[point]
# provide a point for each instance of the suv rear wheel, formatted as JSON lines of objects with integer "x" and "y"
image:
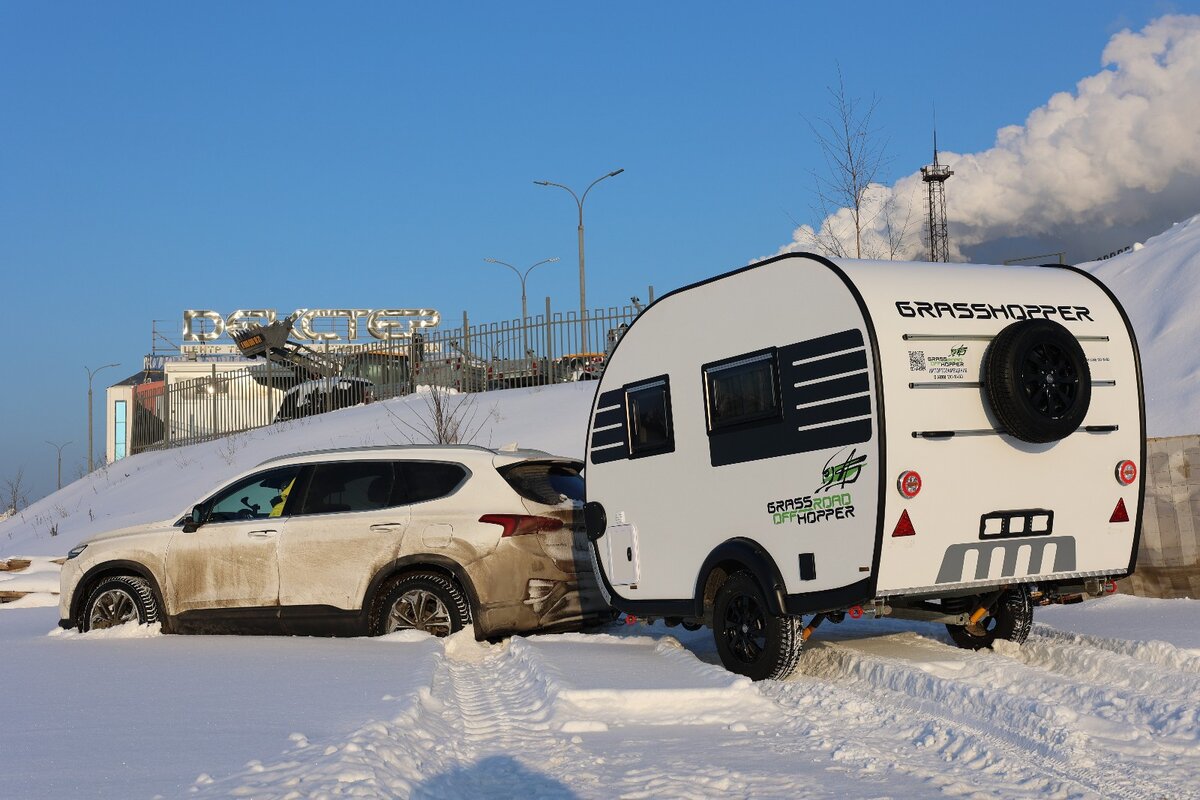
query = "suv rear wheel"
{"x": 117, "y": 600}
{"x": 422, "y": 601}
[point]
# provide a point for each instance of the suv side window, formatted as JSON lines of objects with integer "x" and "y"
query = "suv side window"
{"x": 256, "y": 497}
{"x": 419, "y": 481}
{"x": 339, "y": 486}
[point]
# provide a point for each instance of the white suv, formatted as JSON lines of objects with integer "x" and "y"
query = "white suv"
{"x": 363, "y": 541}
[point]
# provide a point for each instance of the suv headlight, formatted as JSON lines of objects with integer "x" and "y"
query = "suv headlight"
{"x": 75, "y": 551}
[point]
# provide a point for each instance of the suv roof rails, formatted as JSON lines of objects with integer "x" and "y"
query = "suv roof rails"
{"x": 380, "y": 447}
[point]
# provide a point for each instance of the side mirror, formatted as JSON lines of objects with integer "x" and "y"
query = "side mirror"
{"x": 197, "y": 519}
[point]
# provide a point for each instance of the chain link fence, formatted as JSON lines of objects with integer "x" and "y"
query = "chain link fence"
{"x": 207, "y": 400}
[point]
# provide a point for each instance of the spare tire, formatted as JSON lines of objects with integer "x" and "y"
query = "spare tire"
{"x": 1037, "y": 380}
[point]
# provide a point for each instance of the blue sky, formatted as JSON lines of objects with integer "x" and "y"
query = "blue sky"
{"x": 158, "y": 157}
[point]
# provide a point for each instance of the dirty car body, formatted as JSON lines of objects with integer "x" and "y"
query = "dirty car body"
{"x": 313, "y": 543}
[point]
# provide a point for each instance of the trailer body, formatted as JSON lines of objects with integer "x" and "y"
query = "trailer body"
{"x": 827, "y": 427}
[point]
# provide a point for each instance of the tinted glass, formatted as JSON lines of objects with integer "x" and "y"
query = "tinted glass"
{"x": 548, "y": 484}
{"x": 742, "y": 391}
{"x": 418, "y": 481}
{"x": 649, "y": 418}
{"x": 257, "y": 497}
{"x": 349, "y": 486}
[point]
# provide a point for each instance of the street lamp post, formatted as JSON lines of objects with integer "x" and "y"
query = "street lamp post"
{"x": 58, "y": 447}
{"x": 524, "y": 305}
{"x": 582, "y": 284}
{"x": 91, "y": 373}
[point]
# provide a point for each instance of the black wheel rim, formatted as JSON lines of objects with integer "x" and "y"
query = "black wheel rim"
{"x": 1049, "y": 380}
{"x": 745, "y": 628}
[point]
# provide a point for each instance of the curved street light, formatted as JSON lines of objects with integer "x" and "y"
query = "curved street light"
{"x": 91, "y": 373}
{"x": 582, "y": 284}
{"x": 59, "y": 447}
{"x": 524, "y": 306}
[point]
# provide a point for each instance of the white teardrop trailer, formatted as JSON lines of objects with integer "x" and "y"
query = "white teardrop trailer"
{"x": 804, "y": 438}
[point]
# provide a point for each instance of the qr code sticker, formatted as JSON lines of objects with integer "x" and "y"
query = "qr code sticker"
{"x": 916, "y": 360}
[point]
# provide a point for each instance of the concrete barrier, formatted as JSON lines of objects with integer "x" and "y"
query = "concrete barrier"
{"x": 1168, "y": 562}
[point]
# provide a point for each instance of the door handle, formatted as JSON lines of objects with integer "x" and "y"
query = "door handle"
{"x": 267, "y": 534}
{"x": 385, "y": 527}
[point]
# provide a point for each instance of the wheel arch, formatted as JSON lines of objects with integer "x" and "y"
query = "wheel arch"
{"x": 740, "y": 555}
{"x": 426, "y": 562}
{"x": 107, "y": 569}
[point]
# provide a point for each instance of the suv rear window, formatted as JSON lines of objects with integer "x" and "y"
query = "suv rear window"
{"x": 419, "y": 481}
{"x": 548, "y": 483}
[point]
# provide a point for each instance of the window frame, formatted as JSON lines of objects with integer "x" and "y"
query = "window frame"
{"x": 210, "y": 501}
{"x": 771, "y": 416}
{"x": 466, "y": 476}
{"x": 310, "y": 470}
{"x": 667, "y": 446}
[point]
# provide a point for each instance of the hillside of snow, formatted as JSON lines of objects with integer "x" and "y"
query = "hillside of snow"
{"x": 162, "y": 485}
{"x": 1159, "y": 286}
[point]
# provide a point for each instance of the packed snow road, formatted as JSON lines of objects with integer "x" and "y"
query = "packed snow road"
{"x": 878, "y": 709}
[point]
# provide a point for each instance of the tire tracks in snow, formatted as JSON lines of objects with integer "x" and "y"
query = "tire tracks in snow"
{"x": 1003, "y": 717}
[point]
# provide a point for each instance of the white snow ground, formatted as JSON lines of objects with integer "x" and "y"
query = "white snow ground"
{"x": 1084, "y": 709}
{"x": 1103, "y": 701}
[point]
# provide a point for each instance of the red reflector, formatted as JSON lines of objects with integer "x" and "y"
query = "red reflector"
{"x": 904, "y": 527}
{"x": 521, "y": 524}
{"x": 1119, "y": 513}
{"x": 909, "y": 484}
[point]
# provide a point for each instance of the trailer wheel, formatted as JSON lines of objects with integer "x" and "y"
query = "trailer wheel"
{"x": 750, "y": 639}
{"x": 1011, "y": 618}
{"x": 1037, "y": 380}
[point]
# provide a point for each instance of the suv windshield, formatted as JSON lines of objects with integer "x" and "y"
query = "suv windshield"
{"x": 548, "y": 483}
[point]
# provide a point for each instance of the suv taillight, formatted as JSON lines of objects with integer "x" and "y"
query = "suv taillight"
{"x": 521, "y": 524}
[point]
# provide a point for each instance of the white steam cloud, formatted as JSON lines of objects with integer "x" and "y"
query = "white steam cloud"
{"x": 1089, "y": 159}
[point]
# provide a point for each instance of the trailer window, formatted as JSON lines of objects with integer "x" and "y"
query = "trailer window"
{"x": 742, "y": 390}
{"x": 650, "y": 429}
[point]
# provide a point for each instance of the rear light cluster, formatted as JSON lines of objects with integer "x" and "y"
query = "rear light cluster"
{"x": 521, "y": 524}
{"x": 1126, "y": 473}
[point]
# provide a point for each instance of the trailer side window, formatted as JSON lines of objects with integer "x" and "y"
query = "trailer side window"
{"x": 650, "y": 430}
{"x": 741, "y": 390}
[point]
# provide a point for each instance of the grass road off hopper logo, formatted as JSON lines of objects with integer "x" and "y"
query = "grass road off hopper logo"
{"x": 823, "y": 504}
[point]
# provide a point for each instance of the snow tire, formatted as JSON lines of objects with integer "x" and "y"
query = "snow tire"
{"x": 427, "y": 601}
{"x": 1011, "y": 618}
{"x": 1037, "y": 381}
{"x": 752, "y": 641}
{"x": 119, "y": 599}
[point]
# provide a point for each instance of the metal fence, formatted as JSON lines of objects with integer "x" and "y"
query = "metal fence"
{"x": 228, "y": 397}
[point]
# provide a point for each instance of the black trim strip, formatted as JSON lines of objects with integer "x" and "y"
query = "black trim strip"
{"x": 826, "y": 345}
{"x": 855, "y": 361}
{"x": 828, "y": 390}
{"x": 837, "y": 410}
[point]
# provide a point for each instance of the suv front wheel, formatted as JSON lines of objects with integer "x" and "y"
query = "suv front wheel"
{"x": 422, "y": 601}
{"x": 117, "y": 600}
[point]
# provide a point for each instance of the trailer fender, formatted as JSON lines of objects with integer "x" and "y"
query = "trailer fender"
{"x": 740, "y": 555}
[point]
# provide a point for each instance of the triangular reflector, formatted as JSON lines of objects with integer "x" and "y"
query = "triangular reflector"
{"x": 1119, "y": 513}
{"x": 904, "y": 527}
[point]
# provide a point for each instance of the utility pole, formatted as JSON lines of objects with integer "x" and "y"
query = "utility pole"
{"x": 91, "y": 373}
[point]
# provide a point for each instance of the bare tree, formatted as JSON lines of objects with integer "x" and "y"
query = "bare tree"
{"x": 854, "y": 156}
{"x": 897, "y": 220}
{"x": 447, "y": 418}
{"x": 15, "y": 497}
